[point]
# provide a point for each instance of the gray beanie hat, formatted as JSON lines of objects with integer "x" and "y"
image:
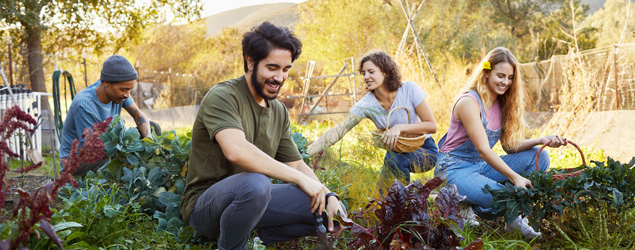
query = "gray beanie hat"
{"x": 117, "y": 69}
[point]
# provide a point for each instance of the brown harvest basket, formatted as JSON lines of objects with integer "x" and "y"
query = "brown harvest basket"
{"x": 406, "y": 143}
{"x": 569, "y": 172}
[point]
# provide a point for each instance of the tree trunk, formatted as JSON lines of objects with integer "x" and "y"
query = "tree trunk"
{"x": 34, "y": 58}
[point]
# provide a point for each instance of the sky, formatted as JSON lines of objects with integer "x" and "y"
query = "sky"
{"x": 211, "y": 7}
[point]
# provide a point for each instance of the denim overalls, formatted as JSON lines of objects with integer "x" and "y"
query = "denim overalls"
{"x": 465, "y": 168}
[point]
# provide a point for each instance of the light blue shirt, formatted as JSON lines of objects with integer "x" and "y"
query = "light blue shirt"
{"x": 409, "y": 95}
{"x": 85, "y": 110}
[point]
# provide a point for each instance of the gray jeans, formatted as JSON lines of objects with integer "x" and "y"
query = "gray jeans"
{"x": 231, "y": 208}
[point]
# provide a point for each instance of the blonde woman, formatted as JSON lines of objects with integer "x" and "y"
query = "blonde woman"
{"x": 387, "y": 92}
{"x": 491, "y": 109}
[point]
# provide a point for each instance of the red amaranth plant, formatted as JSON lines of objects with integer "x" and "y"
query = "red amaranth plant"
{"x": 33, "y": 207}
{"x": 14, "y": 118}
{"x": 407, "y": 219}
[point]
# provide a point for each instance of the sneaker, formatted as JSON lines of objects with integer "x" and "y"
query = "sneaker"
{"x": 468, "y": 214}
{"x": 522, "y": 225}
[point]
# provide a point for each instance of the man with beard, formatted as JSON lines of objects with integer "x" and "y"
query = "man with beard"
{"x": 101, "y": 100}
{"x": 241, "y": 138}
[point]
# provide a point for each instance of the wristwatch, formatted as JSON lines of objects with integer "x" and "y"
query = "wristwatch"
{"x": 329, "y": 195}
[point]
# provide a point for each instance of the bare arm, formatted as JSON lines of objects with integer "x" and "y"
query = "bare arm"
{"x": 142, "y": 121}
{"x": 427, "y": 125}
{"x": 250, "y": 158}
{"x": 468, "y": 112}
{"x": 333, "y": 203}
{"x": 555, "y": 140}
{"x": 334, "y": 134}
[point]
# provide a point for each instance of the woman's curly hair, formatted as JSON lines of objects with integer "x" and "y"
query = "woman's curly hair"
{"x": 387, "y": 66}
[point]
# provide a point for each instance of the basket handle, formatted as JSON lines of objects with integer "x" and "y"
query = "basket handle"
{"x": 389, "y": 113}
{"x": 569, "y": 142}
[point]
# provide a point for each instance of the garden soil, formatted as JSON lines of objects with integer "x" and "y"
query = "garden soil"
{"x": 612, "y": 131}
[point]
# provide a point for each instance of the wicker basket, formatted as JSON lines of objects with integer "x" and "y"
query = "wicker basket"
{"x": 569, "y": 172}
{"x": 406, "y": 143}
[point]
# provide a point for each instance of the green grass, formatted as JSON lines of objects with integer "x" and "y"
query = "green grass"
{"x": 351, "y": 168}
{"x": 354, "y": 164}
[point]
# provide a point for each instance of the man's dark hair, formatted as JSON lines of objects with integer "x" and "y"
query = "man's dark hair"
{"x": 263, "y": 38}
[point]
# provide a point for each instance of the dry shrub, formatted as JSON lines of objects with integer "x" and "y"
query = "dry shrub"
{"x": 452, "y": 75}
{"x": 577, "y": 91}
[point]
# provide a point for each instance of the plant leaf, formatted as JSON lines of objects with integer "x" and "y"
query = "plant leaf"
{"x": 50, "y": 232}
{"x": 66, "y": 225}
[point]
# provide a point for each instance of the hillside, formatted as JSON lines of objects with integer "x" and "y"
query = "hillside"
{"x": 283, "y": 14}
{"x": 594, "y": 5}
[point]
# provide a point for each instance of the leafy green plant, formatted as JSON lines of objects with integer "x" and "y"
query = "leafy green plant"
{"x": 407, "y": 219}
{"x": 151, "y": 172}
{"x": 122, "y": 145}
{"x": 605, "y": 191}
{"x": 33, "y": 207}
{"x": 607, "y": 183}
{"x": 97, "y": 214}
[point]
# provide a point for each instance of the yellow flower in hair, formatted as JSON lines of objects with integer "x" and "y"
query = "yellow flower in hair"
{"x": 486, "y": 65}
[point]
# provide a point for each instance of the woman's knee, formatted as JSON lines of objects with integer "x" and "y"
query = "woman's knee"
{"x": 543, "y": 160}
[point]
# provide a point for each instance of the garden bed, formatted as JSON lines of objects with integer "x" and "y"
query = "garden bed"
{"x": 26, "y": 182}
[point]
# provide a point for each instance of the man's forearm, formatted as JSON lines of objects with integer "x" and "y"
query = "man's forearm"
{"x": 143, "y": 125}
{"x": 142, "y": 121}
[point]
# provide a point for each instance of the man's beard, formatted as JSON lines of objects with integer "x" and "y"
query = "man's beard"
{"x": 260, "y": 87}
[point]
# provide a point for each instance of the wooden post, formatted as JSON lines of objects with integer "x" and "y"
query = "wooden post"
{"x": 414, "y": 32}
{"x": 307, "y": 83}
{"x": 616, "y": 78}
{"x": 139, "y": 102}
{"x": 354, "y": 81}
{"x": 195, "y": 89}
{"x": 10, "y": 61}
{"x": 171, "y": 87}
{"x": 348, "y": 78}
{"x": 328, "y": 88}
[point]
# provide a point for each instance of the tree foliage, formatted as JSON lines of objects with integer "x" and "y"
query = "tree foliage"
{"x": 520, "y": 15}
{"x": 186, "y": 49}
{"x": 335, "y": 30}
{"x": 564, "y": 30}
{"x": 82, "y": 24}
{"x": 610, "y": 22}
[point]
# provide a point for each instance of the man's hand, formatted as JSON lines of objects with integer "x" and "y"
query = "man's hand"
{"x": 332, "y": 209}
{"x": 142, "y": 121}
{"x": 316, "y": 192}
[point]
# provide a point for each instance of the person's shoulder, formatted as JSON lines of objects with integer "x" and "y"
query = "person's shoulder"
{"x": 409, "y": 85}
{"x": 84, "y": 97}
{"x": 368, "y": 97}
{"x": 227, "y": 87}
{"x": 223, "y": 90}
{"x": 224, "y": 93}
{"x": 469, "y": 102}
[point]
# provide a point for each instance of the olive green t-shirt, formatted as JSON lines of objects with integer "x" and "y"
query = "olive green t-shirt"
{"x": 230, "y": 104}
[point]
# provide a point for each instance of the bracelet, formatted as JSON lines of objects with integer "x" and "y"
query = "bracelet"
{"x": 329, "y": 195}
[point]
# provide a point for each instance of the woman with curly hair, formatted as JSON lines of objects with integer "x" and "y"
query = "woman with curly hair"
{"x": 491, "y": 109}
{"x": 387, "y": 92}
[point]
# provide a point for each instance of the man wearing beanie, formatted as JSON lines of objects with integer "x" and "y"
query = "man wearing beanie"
{"x": 101, "y": 100}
